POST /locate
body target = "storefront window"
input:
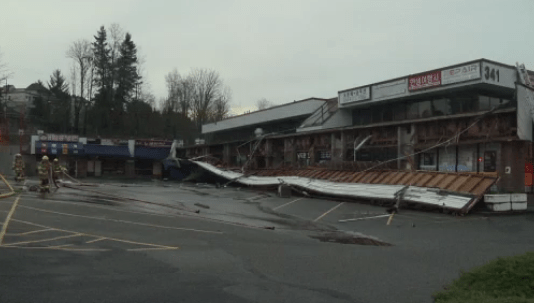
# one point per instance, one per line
(377, 114)
(441, 107)
(468, 104)
(387, 115)
(483, 103)
(425, 109)
(412, 110)
(399, 111)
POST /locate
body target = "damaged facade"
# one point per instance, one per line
(470, 117)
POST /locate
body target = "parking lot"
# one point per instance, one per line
(193, 242)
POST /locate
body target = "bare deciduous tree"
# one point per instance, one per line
(180, 92)
(221, 105)
(81, 52)
(264, 104)
(4, 71)
(208, 86)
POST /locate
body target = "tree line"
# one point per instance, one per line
(105, 94)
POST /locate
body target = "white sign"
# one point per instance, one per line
(390, 89)
(460, 73)
(497, 74)
(353, 95)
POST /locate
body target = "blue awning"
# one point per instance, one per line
(58, 148)
(158, 153)
(106, 150)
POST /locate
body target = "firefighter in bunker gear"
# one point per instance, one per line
(18, 167)
(44, 168)
(57, 170)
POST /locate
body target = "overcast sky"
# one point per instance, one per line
(279, 50)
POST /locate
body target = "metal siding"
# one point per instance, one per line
(524, 118)
(286, 111)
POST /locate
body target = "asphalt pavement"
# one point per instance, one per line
(172, 242)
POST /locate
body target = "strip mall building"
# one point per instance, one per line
(442, 117)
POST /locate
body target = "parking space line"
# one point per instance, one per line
(364, 218)
(8, 218)
(120, 221)
(284, 205)
(44, 240)
(29, 232)
(328, 211)
(96, 240)
(95, 236)
(59, 246)
(151, 248)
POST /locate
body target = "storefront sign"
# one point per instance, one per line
(153, 143)
(390, 89)
(353, 95)
(499, 75)
(63, 138)
(113, 142)
(65, 149)
(460, 73)
(424, 81)
(60, 138)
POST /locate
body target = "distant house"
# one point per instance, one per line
(17, 98)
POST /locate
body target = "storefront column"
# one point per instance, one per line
(226, 154)
(130, 168)
(268, 153)
(156, 169)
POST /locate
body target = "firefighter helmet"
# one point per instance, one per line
(56, 160)
(18, 155)
(45, 158)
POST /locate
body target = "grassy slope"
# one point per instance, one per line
(504, 280)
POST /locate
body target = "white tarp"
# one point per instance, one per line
(354, 190)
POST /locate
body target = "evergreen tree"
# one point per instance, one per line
(60, 103)
(127, 76)
(102, 75)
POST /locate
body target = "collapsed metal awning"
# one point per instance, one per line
(455, 191)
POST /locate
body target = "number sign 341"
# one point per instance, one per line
(491, 73)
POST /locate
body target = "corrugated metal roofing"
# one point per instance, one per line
(464, 182)
(458, 192)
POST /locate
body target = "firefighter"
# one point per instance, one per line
(57, 170)
(44, 168)
(18, 167)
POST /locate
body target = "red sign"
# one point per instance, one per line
(424, 81)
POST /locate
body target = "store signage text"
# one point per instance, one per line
(424, 81)
(353, 95)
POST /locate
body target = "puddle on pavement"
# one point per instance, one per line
(349, 238)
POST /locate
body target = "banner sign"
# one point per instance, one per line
(56, 137)
(460, 73)
(393, 89)
(424, 81)
(153, 143)
(353, 95)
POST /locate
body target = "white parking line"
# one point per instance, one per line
(283, 205)
(329, 211)
(364, 218)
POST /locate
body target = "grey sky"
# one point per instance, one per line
(280, 50)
